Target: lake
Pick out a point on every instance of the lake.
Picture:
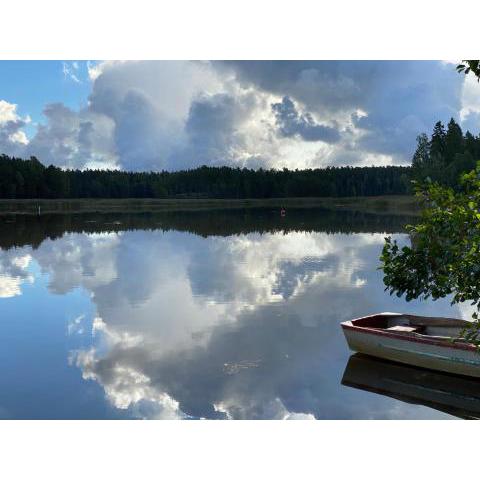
(228, 314)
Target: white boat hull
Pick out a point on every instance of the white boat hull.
(443, 356)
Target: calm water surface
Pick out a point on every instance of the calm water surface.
(222, 315)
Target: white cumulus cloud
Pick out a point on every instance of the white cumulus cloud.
(13, 139)
(154, 115)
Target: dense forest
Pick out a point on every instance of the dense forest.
(441, 157)
(445, 155)
(30, 179)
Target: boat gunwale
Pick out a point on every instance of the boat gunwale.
(349, 325)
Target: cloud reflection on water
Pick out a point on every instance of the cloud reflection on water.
(13, 273)
(223, 327)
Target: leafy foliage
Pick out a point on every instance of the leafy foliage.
(468, 66)
(444, 256)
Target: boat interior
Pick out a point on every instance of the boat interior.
(439, 327)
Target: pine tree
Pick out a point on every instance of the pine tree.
(437, 144)
(454, 142)
(472, 145)
(421, 157)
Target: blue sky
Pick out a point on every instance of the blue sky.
(158, 115)
(33, 84)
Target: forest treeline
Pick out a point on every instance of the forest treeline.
(31, 179)
(441, 157)
(445, 155)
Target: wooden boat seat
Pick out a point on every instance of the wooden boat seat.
(405, 329)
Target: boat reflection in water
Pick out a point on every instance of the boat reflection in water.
(452, 394)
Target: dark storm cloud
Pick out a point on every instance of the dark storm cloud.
(330, 84)
(291, 123)
(400, 98)
(414, 97)
(136, 132)
(213, 113)
(210, 126)
(214, 131)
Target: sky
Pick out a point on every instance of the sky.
(171, 115)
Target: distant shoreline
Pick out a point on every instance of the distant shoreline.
(386, 204)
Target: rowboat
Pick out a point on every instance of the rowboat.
(452, 394)
(427, 342)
